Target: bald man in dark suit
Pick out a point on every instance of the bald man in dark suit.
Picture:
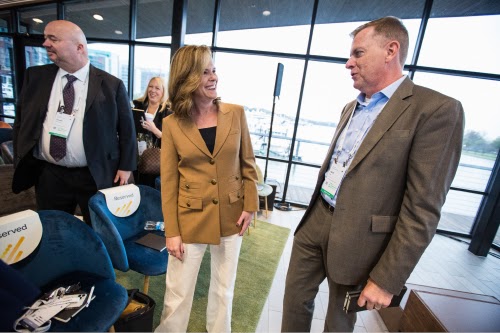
(73, 132)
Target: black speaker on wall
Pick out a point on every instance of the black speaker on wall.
(279, 77)
(277, 91)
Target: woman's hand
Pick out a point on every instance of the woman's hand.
(244, 221)
(150, 126)
(175, 247)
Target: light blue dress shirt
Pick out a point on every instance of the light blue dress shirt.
(364, 116)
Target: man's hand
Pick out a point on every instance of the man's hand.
(374, 297)
(122, 177)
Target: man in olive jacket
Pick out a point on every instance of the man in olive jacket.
(379, 193)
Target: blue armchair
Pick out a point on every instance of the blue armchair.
(158, 183)
(71, 252)
(120, 233)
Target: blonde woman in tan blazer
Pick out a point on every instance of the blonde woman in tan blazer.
(209, 191)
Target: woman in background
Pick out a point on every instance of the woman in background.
(155, 106)
(209, 192)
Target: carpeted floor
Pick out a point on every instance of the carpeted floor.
(259, 257)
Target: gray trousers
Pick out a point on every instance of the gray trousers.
(307, 270)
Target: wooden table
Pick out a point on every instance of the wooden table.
(428, 309)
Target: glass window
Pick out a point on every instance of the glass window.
(481, 125)
(276, 173)
(4, 21)
(464, 43)
(199, 22)
(6, 67)
(149, 62)
(301, 185)
(459, 211)
(281, 26)
(35, 56)
(334, 40)
(154, 21)
(249, 81)
(8, 109)
(111, 58)
(100, 19)
(328, 88)
(34, 19)
(335, 21)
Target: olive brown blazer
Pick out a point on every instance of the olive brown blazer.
(204, 194)
(389, 204)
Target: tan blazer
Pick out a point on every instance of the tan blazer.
(204, 194)
(390, 200)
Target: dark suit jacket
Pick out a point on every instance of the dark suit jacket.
(108, 129)
(390, 200)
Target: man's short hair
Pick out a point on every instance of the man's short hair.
(391, 28)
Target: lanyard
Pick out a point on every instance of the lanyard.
(357, 143)
(76, 105)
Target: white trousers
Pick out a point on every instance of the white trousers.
(181, 281)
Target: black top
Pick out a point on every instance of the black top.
(208, 134)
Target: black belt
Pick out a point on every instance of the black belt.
(327, 205)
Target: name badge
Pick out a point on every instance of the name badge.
(62, 124)
(333, 178)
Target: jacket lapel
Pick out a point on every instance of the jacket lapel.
(188, 127)
(394, 108)
(95, 81)
(45, 90)
(224, 120)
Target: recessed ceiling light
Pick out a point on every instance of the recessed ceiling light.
(37, 20)
(266, 13)
(98, 17)
(118, 32)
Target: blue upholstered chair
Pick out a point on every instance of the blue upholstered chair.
(158, 183)
(71, 252)
(120, 233)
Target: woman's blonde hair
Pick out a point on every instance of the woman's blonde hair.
(163, 101)
(186, 70)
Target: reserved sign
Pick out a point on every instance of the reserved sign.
(122, 200)
(20, 234)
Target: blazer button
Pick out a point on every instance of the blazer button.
(237, 177)
(188, 204)
(213, 181)
(215, 201)
(187, 185)
(212, 161)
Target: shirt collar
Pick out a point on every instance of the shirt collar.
(80, 74)
(386, 92)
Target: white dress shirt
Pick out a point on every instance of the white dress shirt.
(75, 152)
